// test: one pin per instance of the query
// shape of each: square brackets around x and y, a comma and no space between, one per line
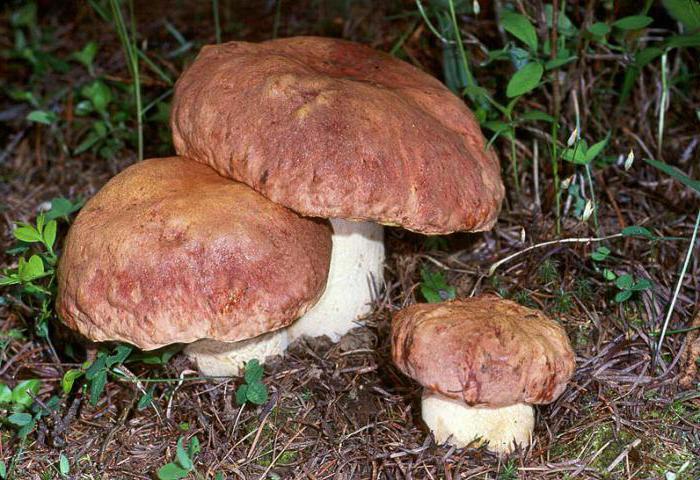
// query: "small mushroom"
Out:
[338,130]
[483,363]
[169,252]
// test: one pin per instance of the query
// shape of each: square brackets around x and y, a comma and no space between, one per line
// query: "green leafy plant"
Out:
[96,373]
[34,276]
[63,465]
[628,285]
[19,408]
[434,287]
[184,460]
[253,390]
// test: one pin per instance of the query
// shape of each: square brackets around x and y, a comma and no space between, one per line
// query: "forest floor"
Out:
[343,410]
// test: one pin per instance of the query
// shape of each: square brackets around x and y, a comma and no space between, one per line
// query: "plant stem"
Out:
[128,41]
[679,284]
[278,15]
[551,242]
[460,45]
[217,23]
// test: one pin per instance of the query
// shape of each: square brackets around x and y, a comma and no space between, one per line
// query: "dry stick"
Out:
[679,284]
[545,244]
[284,449]
[623,455]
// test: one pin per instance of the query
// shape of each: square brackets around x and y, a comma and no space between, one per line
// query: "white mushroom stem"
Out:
[228,358]
[458,424]
[357,264]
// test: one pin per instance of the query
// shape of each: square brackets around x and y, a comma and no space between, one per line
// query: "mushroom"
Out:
[482,362]
[169,252]
[335,129]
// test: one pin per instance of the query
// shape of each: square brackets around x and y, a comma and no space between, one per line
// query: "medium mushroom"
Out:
[482,362]
[171,252]
[335,129]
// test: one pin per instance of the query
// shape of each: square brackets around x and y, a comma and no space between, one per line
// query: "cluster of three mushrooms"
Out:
[176,250]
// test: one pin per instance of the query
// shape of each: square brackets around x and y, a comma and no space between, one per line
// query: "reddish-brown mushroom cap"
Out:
[484,351]
[335,129]
[168,251]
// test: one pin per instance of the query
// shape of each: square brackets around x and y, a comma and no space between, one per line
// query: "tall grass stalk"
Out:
[217,22]
[127,37]
[278,16]
[663,104]
[460,45]
[679,284]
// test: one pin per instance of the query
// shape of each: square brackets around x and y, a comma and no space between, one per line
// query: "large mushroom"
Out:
[171,252]
[335,129]
[482,362]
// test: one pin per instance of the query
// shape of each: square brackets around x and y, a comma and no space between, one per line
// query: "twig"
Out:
[545,244]
[623,454]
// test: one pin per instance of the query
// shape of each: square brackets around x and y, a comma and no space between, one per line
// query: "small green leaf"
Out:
[685,11]
[536,115]
[253,371]
[146,398]
[182,457]
[633,22]
[219,476]
[121,352]
[682,41]
[521,28]
[677,174]
[62,208]
[646,56]
[29,270]
[242,394]
[49,234]
[87,55]
[20,419]
[97,366]
[600,254]
[22,393]
[434,287]
[63,465]
[172,471]
[98,93]
[558,62]
[624,282]
[599,29]
[525,80]
[27,233]
[3,470]
[24,16]
[257,393]
[595,150]
[5,394]
[42,116]
[609,275]
[637,231]
[90,139]
[97,386]
[193,448]
[641,285]
[623,296]
[69,379]
[576,155]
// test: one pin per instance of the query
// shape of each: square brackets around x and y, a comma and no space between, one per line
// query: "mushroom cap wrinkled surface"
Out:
[335,129]
[483,351]
[170,252]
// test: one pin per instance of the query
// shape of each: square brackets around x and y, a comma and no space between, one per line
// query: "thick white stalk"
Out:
[356,271]
[458,424]
[228,358]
